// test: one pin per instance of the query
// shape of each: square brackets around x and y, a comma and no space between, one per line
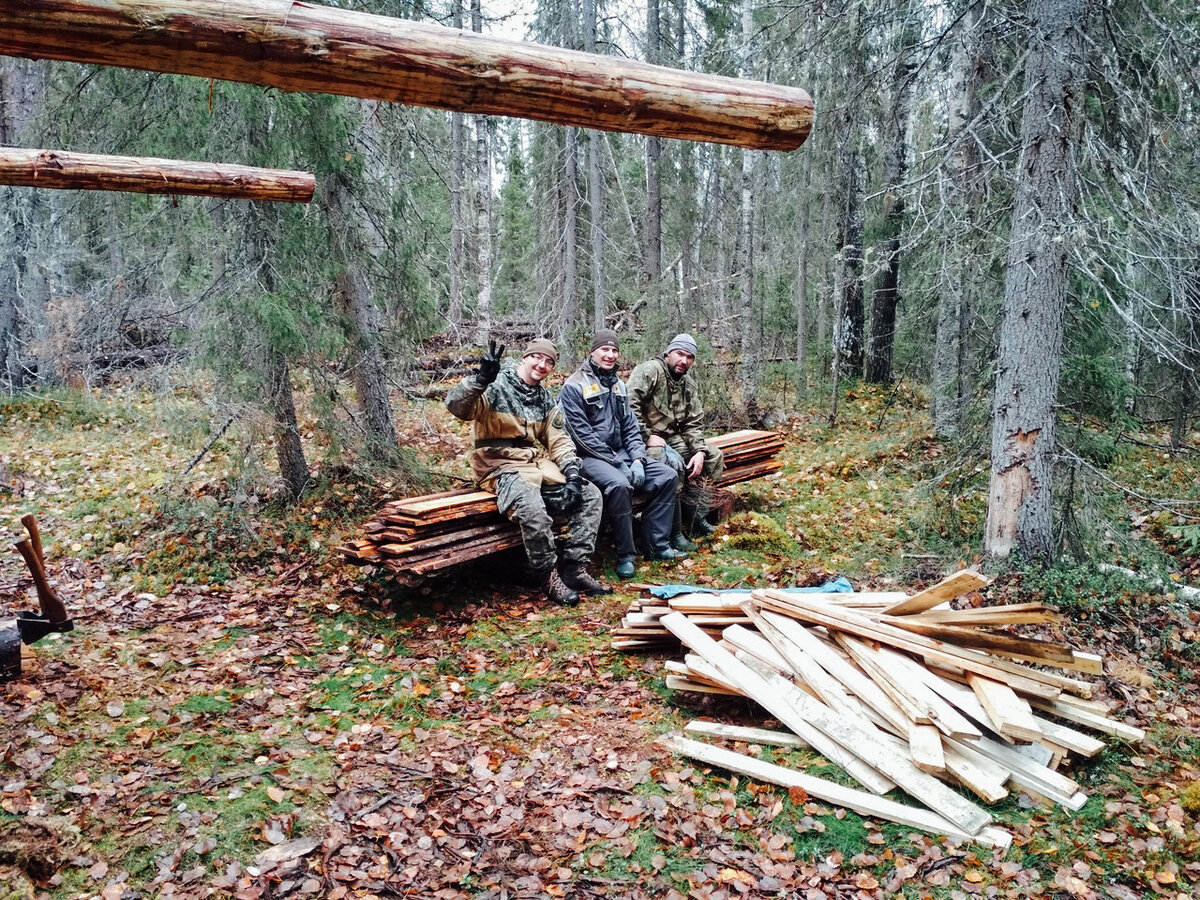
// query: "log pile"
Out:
[898,691]
[424,535]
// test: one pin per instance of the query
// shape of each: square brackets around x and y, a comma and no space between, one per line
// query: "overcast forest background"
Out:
[881,251]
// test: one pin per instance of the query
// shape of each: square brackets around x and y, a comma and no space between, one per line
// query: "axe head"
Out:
[35,626]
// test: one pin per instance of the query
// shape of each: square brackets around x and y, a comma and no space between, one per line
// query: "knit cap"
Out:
[605,337]
[543,346]
[684,342]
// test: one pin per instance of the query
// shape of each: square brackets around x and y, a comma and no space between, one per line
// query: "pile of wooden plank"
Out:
[899,691]
[424,535]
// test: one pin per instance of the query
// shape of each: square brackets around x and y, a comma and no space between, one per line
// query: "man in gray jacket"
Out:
[608,438]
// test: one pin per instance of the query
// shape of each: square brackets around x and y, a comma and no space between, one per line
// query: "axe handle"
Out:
[29,520]
[52,607]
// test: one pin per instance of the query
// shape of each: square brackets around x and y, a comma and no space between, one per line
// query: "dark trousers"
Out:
[658,514]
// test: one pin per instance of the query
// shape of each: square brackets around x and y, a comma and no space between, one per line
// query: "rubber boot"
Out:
[679,540]
[575,576]
[556,591]
[695,519]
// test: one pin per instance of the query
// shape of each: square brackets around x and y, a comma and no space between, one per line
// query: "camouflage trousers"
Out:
[533,511]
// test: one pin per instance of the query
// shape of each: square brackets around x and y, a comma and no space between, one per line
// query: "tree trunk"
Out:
[951,380]
[569,308]
[288,449]
[750,344]
[483,208]
[361,322]
[143,175]
[1035,285]
[23,296]
[303,47]
[653,236]
[886,297]
[455,310]
[801,289]
[595,189]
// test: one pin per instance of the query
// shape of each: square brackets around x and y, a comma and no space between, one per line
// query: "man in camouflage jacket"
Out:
[523,455]
[665,398]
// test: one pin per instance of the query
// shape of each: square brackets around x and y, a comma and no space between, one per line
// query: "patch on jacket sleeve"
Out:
[558,420]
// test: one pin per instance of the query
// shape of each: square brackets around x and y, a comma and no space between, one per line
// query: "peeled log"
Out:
[144,175]
[301,47]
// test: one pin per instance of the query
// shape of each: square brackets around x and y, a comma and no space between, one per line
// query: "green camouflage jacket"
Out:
[515,427]
[667,406]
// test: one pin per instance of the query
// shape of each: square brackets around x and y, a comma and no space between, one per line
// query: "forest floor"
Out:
[237,713]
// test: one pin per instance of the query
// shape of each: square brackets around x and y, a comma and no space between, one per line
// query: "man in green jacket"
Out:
[665,398]
[522,454]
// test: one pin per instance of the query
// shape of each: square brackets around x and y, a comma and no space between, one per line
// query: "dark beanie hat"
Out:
[543,346]
[605,337]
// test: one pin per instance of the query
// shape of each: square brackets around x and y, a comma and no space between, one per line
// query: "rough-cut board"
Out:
[146,175]
[423,535]
[861,802]
[767,689]
[1011,715]
[304,47]
[947,589]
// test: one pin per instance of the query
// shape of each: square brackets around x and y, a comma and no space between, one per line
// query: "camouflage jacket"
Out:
[599,421]
[667,406]
[515,427]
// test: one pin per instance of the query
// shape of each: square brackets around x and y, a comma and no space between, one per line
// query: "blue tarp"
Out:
[839,585]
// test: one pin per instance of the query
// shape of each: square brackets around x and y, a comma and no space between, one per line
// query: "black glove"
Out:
[573,490]
[489,366]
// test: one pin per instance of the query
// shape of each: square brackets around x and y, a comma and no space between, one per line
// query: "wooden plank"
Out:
[1012,716]
[925,748]
[907,703]
[742,638]
[947,589]
[828,689]
[780,699]
[1011,614]
[846,620]
[904,670]
[983,777]
[679,683]
[841,670]
[1045,652]
[765,736]
[1100,723]
[861,802]
[875,750]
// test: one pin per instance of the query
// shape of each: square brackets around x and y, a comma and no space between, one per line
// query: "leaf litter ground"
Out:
[294,729]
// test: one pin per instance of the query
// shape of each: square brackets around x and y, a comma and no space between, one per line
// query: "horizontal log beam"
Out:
[302,47]
[144,175]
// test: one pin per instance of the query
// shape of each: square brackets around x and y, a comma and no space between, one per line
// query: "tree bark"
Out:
[653,223]
[483,207]
[751,349]
[458,226]
[1035,285]
[301,47]
[595,190]
[361,322]
[951,380]
[885,299]
[145,175]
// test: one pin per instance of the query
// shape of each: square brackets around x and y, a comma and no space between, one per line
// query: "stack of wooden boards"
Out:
[423,535]
[900,691]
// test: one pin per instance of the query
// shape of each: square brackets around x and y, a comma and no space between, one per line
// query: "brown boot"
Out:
[556,591]
[575,576]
